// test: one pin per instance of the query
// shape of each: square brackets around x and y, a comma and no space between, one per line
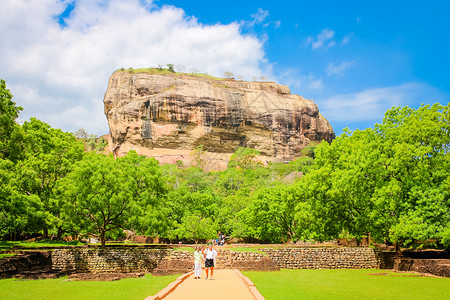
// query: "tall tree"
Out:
[105,193]
[391,181]
[49,154]
[9,112]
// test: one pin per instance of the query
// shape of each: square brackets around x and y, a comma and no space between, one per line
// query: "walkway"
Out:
[226,285]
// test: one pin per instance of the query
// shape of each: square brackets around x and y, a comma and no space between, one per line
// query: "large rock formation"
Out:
[167,115]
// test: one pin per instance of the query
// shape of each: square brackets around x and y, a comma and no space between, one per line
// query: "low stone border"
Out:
[251,286]
[170,288]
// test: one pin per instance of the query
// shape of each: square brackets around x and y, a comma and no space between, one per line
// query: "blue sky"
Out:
[355,59]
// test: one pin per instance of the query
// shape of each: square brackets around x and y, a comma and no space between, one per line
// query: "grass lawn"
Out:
[5,245]
[130,288]
[189,249]
[347,284]
[247,249]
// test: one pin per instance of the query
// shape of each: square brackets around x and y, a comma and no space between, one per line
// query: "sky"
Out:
[355,59]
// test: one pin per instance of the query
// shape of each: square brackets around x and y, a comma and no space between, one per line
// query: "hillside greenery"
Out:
[390,182]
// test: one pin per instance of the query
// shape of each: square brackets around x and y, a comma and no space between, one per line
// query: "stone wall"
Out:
[94,260]
[438,267]
[25,262]
[326,258]
[165,261]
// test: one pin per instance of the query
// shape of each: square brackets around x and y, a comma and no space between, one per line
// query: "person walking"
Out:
[198,259]
[210,261]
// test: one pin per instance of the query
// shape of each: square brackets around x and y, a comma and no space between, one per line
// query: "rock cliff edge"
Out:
[167,115]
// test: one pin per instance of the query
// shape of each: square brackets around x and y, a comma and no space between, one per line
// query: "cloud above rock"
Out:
[57,68]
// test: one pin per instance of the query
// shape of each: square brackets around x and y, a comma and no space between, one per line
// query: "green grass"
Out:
[61,288]
[189,249]
[347,284]
[166,71]
[47,243]
[6,255]
[247,249]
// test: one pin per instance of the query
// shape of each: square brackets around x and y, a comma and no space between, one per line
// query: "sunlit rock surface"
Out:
[166,116]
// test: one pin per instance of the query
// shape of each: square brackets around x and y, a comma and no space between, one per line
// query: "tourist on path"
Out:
[210,261]
[198,260]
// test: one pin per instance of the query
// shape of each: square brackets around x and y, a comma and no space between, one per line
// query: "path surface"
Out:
[225,285]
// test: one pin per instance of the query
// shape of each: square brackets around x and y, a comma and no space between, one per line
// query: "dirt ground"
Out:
[226,284]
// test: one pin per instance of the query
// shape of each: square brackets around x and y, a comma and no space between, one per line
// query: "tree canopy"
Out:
[390,182]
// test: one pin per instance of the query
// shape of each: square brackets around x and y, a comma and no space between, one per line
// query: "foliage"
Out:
[228,74]
[271,215]
[104,193]
[195,227]
[391,181]
[346,284]
[47,155]
[199,156]
[171,68]
[9,112]
[244,158]
[91,142]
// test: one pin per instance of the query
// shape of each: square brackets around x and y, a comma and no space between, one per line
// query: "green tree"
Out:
[199,156]
[391,181]
[244,158]
[48,155]
[9,112]
[228,74]
[195,227]
[105,194]
[19,213]
[271,215]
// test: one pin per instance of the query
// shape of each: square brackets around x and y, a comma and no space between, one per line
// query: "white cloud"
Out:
[59,74]
[323,39]
[371,104]
[260,16]
[301,83]
[345,40]
[339,69]
[314,83]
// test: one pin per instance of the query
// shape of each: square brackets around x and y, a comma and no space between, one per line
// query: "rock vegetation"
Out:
[168,115]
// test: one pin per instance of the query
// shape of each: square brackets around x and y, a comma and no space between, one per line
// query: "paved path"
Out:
[225,285]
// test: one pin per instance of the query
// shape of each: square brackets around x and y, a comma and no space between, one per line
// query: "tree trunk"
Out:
[102,238]
[396,246]
[45,234]
[59,234]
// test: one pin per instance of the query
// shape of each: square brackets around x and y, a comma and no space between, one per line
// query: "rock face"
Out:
[167,115]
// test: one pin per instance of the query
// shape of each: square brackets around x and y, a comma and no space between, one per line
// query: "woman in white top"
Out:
[198,259]
[210,255]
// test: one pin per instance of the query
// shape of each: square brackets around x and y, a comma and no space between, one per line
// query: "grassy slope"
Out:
[247,249]
[166,71]
[189,249]
[5,245]
[347,284]
[130,288]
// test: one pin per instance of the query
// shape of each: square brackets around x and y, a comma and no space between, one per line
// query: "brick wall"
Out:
[128,260]
[165,261]
[326,258]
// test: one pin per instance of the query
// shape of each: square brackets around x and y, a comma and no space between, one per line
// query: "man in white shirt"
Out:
[210,260]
